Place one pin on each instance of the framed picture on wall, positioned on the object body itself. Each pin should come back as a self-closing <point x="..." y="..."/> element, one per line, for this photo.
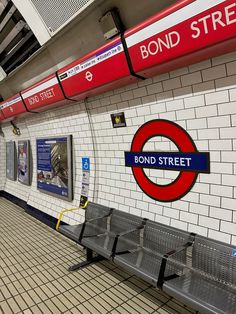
<point x="11" y="171"/>
<point x="54" y="166"/>
<point x="24" y="162"/>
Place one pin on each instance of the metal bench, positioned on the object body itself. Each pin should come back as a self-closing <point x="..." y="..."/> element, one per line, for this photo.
<point x="209" y="284"/>
<point x="196" y="270"/>
<point x="132" y="242"/>
<point x="99" y="230"/>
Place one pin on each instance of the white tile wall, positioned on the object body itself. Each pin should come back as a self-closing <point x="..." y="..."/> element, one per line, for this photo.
<point x="201" y="98"/>
<point x="214" y="73"/>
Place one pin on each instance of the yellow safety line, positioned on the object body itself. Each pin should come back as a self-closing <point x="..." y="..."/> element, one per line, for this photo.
<point x="66" y="211"/>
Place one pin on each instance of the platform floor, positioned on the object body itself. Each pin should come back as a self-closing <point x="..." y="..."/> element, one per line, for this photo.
<point x="34" y="277"/>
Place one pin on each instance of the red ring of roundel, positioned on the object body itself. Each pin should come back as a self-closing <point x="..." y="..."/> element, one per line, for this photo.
<point x="185" y="180"/>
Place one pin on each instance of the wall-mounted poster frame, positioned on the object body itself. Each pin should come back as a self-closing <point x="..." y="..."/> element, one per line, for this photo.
<point x="24" y="162"/>
<point x="11" y="160"/>
<point x="54" y="166"/>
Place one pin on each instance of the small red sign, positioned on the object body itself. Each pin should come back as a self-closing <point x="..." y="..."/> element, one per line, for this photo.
<point x="13" y="106"/>
<point x="103" y="69"/>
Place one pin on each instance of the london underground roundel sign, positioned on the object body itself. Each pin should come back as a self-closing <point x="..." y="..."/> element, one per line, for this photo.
<point x="188" y="161"/>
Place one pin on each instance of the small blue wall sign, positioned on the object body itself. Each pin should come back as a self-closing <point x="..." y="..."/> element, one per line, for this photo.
<point x="85" y="164"/>
<point x="234" y="253"/>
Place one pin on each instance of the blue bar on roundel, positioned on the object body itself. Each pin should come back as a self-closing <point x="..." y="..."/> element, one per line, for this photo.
<point x="179" y="161"/>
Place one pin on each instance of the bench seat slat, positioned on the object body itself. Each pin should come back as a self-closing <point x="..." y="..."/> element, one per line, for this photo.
<point x="71" y="232"/>
<point x="103" y="244"/>
<point x="145" y="264"/>
<point x="158" y="239"/>
<point x="202" y="293"/>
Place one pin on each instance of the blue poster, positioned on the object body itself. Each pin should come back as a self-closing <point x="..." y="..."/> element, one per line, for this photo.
<point x="54" y="166"/>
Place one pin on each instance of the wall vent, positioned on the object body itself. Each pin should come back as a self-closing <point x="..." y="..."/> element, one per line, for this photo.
<point x="17" y="41"/>
<point x="57" y="13"/>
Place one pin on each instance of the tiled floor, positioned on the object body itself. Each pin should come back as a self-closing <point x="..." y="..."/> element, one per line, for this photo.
<point x="34" y="277"/>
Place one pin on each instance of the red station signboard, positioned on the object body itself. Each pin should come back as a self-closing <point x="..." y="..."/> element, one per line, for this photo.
<point x="13" y="106"/>
<point x="101" y="70"/>
<point x="45" y="93"/>
<point x="187" y="32"/>
<point x="184" y="33"/>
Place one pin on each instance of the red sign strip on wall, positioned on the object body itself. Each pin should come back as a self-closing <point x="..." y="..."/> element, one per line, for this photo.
<point x="1" y="116"/>
<point x="192" y="28"/>
<point x="13" y="106"/>
<point x="43" y="94"/>
<point x="101" y="70"/>
<point x="186" y="32"/>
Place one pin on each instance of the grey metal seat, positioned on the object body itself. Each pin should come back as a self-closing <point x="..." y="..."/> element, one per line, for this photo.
<point x="92" y="211"/>
<point x="144" y="256"/>
<point x="209" y="285"/>
<point x="99" y="235"/>
<point x="196" y="270"/>
<point x="71" y="232"/>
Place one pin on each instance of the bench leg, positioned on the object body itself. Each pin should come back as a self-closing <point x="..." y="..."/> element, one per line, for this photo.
<point x="89" y="260"/>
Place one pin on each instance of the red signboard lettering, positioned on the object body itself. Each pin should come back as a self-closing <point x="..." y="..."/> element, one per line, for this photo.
<point x="199" y="25"/>
<point x="43" y="94"/>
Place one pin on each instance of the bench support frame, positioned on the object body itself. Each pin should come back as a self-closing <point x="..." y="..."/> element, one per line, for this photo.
<point x="90" y="259"/>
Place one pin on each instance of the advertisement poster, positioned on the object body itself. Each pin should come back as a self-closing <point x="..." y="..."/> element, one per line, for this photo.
<point x="54" y="166"/>
<point x="24" y="171"/>
<point x="11" y="161"/>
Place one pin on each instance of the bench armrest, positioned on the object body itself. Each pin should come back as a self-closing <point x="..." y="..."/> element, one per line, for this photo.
<point x="62" y="213"/>
<point x="134" y="229"/>
<point x="177" y="250"/>
<point x="114" y="252"/>
<point x="95" y="219"/>
<point x="165" y="257"/>
<point x="129" y="231"/>
<point x="91" y="220"/>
